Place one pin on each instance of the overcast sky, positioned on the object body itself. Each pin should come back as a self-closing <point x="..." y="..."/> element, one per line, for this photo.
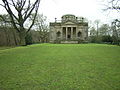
<point x="90" y="9"/>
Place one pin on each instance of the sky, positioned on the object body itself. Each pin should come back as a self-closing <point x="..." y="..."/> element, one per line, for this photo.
<point x="90" y="9"/>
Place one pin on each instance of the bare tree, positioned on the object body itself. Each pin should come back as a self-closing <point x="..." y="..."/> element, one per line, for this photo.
<point x="104" y="30"/>
<point x="9" y="32"/>
<point x="115" y="25"/>
<point x="20" y="11"/>
<point x="5" y="26"/>
<point x="41" y="26"/>
<point x="97" y="22"/>
<point x="112" y="5"/>
<point x="93" y="32"/>
<point x="116" y="31"/>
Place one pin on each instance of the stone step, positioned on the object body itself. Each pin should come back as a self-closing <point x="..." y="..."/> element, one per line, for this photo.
<point x="65" y="42"/>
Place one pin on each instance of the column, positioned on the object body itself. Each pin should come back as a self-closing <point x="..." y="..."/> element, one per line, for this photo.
<point x="66" y="32"/>
<point x="71" y="33"/>
<point x="76" y="34"/>
<point x="62" y="33"/>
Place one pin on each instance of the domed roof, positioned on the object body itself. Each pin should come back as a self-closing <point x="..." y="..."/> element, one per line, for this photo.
<point x="68" y="17"/>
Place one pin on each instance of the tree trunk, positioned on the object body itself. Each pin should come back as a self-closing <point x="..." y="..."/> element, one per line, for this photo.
<point x="14" y="37"/>
<point x="22" y="35"/>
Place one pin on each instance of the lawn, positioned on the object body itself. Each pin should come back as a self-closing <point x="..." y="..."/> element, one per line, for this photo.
<point x="60" y="67"/>
<point x="2" y="48"/>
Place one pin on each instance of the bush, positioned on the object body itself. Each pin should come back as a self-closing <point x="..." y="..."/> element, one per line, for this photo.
<point x="95" y="39"/>
<point x="107" y="38"/>
<point x="28" y="39"/>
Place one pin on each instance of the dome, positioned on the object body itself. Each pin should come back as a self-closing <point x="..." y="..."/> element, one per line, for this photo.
<point x="67" y="17"/>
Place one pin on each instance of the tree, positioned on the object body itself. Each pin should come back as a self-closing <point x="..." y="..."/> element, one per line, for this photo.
<point x="4" y="32"/>
<point x="104" y="30"/>
<point x="113" y="5"/>
<point x="41" y="26"/>
<point x="116" y="31"/>
<point x="19" y="12"/>
<point x="9" y="35"/>
<point x="97" y="26"/>
<point x="107" y="39"/>
<point x="28" y="38"/>
<point x="92" y="35"/>
<point x="93" y="32"/>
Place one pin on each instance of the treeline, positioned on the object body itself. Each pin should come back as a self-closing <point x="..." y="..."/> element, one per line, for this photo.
<point x="38" y="34"/>
<point x="105" y="33"/>
<point x="9" y="37"/>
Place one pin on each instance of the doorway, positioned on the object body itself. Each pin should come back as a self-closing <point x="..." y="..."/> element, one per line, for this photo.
<point x="68" y="36"/>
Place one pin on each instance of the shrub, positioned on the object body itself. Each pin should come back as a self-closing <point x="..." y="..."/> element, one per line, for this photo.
<point x="28" y="39"/>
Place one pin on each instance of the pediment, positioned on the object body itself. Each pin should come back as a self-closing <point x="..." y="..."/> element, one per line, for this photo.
<point x="69" y="23"/>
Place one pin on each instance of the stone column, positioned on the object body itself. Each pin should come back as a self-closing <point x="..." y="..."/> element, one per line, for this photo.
<point x="66" y="32"/>
<point x="71" y="33"/>
<point x="62" y="33"/>
<point x="76" y="34"/>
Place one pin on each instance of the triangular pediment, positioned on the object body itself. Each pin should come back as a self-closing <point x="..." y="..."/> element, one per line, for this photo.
<point x="69" y="23"/>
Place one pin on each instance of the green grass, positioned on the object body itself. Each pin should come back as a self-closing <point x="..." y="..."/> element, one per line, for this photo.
<point x="60" y="67"/>
<point x="2" y="48"/>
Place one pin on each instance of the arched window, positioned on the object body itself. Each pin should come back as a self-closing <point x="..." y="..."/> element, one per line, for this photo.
<point x="79" y="34"/>
<point x="58" y="34"/>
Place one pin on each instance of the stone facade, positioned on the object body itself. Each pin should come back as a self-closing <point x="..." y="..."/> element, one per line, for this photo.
<point x="70" y="29"/>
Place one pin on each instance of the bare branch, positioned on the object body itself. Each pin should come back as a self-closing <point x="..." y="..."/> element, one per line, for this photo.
<point x="11" y="14"/>
<point x="2" y="5"/>
<point x="34" y="17"/>
<point x="23" y="12"/>
<point x="4" y="19"/>
<point x="33" y="7"/>
<point x="114" y="5"/>
<point x="23" y="4"/>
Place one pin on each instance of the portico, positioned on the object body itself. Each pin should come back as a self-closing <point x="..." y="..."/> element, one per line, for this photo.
<point x="69" y="30"/>
<point x="68" y="33"/>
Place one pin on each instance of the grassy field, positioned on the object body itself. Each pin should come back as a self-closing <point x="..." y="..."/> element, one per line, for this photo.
<point x="60" y="67"/>
<point x="2" y="48"/>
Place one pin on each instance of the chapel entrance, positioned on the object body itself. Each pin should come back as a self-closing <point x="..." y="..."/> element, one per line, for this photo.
<point x="69" y="37"/>
<point x="69" y="33"/>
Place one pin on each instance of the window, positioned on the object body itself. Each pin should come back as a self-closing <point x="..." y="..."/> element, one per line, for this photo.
<point x="79" y="34"/>
<point x="74" y="30"/>
<point x="58" y="34"/>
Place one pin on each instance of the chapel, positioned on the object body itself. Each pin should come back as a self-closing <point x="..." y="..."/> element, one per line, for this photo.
<point x="70" y="29"/>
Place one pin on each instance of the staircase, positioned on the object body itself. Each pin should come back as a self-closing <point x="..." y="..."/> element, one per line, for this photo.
<point x="69" y="41"/>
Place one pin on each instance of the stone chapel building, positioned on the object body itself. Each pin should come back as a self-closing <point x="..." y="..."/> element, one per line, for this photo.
<point x="70" y="29"/>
